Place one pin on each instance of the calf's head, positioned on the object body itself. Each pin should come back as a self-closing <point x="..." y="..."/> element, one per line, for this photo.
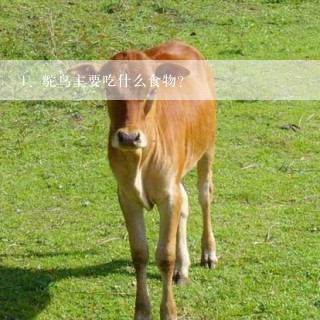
<point x="132" y="82"/>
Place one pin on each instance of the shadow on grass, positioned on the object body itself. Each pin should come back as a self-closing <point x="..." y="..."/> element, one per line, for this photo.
<point x="24" y="293"/>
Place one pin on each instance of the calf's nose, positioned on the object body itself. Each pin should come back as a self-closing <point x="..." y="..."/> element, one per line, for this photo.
<point x="128" y="138"/>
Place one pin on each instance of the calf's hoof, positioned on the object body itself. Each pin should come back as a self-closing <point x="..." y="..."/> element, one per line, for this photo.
<point x="209" y="259"/>
<point x="179" y="278"/>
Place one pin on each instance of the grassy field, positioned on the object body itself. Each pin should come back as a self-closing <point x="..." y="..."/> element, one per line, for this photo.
<point x="63" y="245"/>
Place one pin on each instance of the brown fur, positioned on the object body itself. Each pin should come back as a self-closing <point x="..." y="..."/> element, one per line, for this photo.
<point x="180" y="133"/>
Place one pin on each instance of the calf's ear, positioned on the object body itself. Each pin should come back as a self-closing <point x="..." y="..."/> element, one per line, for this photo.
<point x="86" y="70"/>
<point x="172" y="69"/>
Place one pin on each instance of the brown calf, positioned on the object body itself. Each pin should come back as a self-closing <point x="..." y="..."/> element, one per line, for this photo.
<point x="153" y="143"/>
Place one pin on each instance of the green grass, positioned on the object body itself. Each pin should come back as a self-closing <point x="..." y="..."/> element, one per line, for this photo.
<point x="63" y="245"/>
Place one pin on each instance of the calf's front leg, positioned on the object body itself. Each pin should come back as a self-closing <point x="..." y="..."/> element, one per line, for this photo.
<point x="170" y="208"/>
<point x="133" y="214"/>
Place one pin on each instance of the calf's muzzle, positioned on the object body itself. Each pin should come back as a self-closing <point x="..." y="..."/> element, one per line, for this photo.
<point x="129" y="140"/>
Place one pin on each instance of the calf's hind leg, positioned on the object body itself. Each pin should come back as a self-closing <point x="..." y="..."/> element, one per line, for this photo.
<point x="205" y="189"/>
<point x="182" y="254"/>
